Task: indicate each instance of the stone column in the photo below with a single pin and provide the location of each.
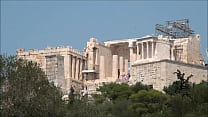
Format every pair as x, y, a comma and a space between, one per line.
137, 51
96, 57
80, 70
152, 49
84, 65
131, 55
73, 67
131, 52
67, 67
102, 68
77, 70
121, 65
70, 66
126, 66
142, 50
115, 67
90, 61
134, 58
147, 49
140, 53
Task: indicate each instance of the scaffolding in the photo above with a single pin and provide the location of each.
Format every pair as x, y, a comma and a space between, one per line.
175, 29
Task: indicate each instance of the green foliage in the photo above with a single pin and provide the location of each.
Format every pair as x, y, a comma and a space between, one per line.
147, 101
181, 87
25, 90
139, 86
188, 100
114, 91
98, 99
71, 96
199, 100
119, 109
200, 92
82, 108
182, 99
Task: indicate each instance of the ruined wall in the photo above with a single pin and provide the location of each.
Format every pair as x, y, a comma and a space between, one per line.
160, 74
55, 70
72, 66
94, 51
109, 63
199, 72
121, 50
180, 49
193, 51
188, 50
162, 50
33, 55
106, 52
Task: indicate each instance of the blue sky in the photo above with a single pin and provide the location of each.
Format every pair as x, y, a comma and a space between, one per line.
36, 24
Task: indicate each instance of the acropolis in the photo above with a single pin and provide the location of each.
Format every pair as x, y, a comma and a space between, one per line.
151, 60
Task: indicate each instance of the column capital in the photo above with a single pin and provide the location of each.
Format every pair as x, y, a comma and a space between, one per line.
130, 44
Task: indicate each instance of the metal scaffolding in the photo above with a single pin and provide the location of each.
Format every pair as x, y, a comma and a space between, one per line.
175, 29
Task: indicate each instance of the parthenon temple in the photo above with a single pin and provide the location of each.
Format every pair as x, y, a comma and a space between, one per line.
151, 59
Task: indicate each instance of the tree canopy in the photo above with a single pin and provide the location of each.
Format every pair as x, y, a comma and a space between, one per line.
25, 90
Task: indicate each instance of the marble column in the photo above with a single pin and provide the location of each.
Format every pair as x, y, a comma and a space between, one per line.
73, 67
140, 53
102, 68
147, 45
115, 67
126, 66
121, 60
152, 49
67, 65
80, 70
70, 66
131, 52
96, 57
131, 55
137, 51
142, 50
77, 69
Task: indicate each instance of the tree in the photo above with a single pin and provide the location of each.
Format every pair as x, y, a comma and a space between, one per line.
181, 87
188, 100
144, 102
139, 86
80, 107
25, 90
119, 109
114, 91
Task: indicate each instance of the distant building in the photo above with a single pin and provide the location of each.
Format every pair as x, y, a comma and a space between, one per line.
150, 60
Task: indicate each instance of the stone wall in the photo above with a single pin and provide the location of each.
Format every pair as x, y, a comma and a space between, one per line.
188, 50
55, 70
160, 73
150, 59
62, 62
106, 53
162, 50
194, 52
121, 50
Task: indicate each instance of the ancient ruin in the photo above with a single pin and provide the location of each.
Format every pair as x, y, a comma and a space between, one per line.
62, 65
151, 60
